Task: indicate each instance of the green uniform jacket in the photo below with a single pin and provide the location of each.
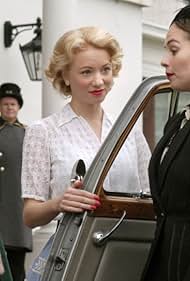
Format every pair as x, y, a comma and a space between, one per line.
12, 229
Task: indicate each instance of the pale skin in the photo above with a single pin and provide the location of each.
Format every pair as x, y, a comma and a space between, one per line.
9, 108
90, 78
177, 58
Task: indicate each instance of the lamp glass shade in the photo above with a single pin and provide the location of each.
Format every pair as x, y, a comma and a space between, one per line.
32, 55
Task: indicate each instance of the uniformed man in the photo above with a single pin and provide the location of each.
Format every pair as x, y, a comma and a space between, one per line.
16, 236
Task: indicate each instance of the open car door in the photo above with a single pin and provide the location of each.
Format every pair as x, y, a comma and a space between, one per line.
112, 242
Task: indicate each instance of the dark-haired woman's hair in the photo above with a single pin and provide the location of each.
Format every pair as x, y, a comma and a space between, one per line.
182, 19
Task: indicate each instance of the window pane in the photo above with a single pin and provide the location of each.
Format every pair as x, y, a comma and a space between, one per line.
129, 171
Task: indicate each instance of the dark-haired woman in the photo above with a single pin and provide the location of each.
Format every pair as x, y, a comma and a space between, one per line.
169, 258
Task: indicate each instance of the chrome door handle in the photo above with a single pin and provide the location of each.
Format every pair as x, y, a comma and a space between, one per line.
100, 237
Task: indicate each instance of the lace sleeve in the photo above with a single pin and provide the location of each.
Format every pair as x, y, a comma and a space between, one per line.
36, 163
143, 154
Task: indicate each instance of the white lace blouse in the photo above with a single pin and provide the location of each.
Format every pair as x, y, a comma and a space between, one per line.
52, 145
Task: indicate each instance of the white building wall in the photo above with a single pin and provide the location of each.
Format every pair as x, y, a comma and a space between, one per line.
161, 12
156, 20
12, 65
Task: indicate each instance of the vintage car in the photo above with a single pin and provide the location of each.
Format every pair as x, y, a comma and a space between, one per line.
112, 242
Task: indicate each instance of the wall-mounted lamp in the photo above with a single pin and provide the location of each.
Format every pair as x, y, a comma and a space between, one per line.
31, 51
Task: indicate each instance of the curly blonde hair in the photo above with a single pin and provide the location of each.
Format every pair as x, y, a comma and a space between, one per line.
75, 41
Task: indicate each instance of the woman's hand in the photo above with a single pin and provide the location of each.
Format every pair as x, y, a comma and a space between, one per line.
75, 199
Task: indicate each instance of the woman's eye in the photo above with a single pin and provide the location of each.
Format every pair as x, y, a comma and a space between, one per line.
86, 72
173, 50
107, 69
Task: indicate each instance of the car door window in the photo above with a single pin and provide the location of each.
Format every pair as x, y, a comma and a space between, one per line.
183, 100
125, 175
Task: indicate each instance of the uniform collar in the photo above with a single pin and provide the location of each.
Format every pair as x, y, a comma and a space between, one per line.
3, 123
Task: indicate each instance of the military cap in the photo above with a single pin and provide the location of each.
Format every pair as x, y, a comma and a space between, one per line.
11, 90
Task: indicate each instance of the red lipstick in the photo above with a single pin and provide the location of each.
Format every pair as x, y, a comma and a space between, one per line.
169, 75
97, 92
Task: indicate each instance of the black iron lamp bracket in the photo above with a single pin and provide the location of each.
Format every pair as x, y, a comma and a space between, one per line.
11, 31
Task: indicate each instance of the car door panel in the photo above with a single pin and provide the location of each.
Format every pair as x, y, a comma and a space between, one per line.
114, 258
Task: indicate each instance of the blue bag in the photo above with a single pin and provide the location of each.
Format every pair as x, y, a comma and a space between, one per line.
36, 270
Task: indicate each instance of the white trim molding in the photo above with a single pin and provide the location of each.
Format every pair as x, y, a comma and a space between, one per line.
143, 3
154, 31
153, 41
